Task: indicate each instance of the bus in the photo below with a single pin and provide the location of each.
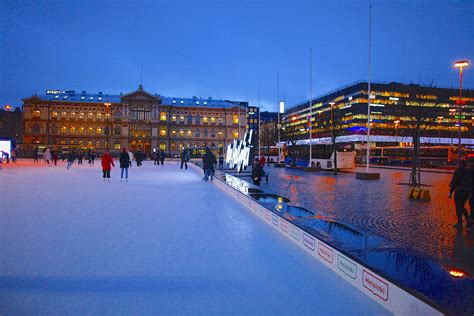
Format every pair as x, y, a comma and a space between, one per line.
322, 156
271, 154
430, 156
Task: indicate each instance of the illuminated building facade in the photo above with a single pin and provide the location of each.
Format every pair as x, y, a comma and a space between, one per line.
138, 121
345, 110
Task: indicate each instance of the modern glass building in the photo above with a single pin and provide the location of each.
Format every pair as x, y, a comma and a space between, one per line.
394, 107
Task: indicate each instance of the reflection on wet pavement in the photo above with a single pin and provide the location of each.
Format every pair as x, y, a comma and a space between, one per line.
382, 207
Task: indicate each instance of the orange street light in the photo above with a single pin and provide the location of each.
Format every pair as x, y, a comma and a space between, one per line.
8, 107
460, 64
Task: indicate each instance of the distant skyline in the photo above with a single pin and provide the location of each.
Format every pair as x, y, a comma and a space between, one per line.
228, 49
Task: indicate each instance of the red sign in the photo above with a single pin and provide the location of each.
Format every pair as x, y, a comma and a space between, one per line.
375, 285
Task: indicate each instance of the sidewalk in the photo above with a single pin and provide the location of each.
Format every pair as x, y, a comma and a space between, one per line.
164, 243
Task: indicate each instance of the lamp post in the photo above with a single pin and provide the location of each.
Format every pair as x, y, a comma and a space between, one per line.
460, 64
333, 136
8, 107
397, 123
107, 130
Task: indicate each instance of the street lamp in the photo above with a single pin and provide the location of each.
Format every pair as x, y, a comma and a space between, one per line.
460, 64
8, 107
107, 130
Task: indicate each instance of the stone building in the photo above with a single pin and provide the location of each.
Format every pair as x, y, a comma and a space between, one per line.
139, 121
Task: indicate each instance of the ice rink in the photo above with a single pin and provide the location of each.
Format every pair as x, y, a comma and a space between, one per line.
164, 243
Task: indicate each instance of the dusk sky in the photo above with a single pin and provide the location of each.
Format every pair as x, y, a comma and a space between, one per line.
228, 49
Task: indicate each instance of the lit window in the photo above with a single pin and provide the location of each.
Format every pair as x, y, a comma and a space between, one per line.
181, 119
182, 101
64, 114
83, 98
174, 101
213, 119
81, 115
205, 102
72, 130
204, 119
54, 114
98, 131
63, 130
97, 144
219, 133
236, 119
90, 115
81, 130
99, 116
90, 130
56, 96
162, 146
163, 116
99, 98
163, 131
117, 146
36, 113
190, 133
92, 98
73, 115
173, 118
173, 132
181, 132
236, 134
71, 142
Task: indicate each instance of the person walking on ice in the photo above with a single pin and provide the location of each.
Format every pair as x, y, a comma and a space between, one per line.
47, 155
124, 164
461, 186
107, 164
184, 158
209, 161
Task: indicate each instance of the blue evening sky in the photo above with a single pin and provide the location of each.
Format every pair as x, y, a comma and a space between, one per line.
228, 49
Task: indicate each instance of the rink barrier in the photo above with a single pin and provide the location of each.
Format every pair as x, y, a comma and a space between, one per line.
392, 297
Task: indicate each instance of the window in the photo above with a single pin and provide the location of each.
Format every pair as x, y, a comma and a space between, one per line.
219, 133
62, 142
162, 146
118, 115
97, 144
54, 129
63, 130
90, 130
236, 134
117, 146
54, 114
181, 146
73, 115
173, 118
98, 131
198, 119
81, 130
190, 119
141, 114
72, 130
235, 119
197, 133
205, 132
80, 143
173, 146
81, 115
117, 130
213, 133
190, 134
213, 120
205, 120
99, 116
71, 142
36, 128
181, 119
106, 130
173, 133
162, 116
64, 115
163, 131
90, 115
181, 133
220, 120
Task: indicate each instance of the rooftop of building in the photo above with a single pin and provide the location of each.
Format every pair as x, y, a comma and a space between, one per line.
72, 96
392, 86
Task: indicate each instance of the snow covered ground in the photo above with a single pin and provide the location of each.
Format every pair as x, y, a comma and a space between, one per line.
164, 243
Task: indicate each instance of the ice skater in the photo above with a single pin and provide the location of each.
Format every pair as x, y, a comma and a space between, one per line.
55, 158
209, 161
79, 158
221, 162
156, 158
35, 154
130, 155
107, 164
162, 157
184, 158
47, 155
70, 159
124, 164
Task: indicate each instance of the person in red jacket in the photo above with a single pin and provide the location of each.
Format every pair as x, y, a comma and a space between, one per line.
107, 164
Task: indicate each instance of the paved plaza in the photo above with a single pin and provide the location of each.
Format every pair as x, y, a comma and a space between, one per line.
382, 207
164, 243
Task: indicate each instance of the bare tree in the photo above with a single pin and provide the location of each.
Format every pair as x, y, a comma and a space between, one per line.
416, 116
268, 137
